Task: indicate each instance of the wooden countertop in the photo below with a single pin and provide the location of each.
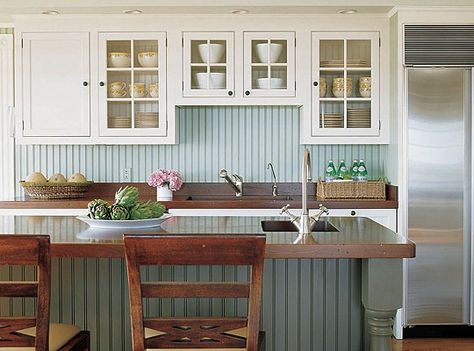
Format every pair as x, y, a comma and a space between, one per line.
355, 237
212, 195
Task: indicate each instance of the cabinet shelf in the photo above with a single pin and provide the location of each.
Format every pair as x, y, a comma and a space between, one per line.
130, 99
129, 69
277, 64
208, 64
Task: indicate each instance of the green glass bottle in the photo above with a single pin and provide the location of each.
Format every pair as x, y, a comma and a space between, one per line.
343, 173
355, 170
363, 175
331, 173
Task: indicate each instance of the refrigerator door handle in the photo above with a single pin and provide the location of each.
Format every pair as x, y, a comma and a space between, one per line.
470, 239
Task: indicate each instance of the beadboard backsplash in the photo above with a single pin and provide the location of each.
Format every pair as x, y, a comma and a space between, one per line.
242, 139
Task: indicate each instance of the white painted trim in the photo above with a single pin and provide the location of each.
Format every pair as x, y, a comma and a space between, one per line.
7, 144
7, 25
174, 28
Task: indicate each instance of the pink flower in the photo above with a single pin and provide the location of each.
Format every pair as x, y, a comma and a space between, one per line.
169, 177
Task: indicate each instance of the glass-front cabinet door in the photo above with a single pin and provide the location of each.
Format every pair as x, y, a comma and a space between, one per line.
269, 64
208, 64
345, 84
132, 84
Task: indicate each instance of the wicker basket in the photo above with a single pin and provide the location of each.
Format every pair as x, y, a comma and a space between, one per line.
48, 191
372, 189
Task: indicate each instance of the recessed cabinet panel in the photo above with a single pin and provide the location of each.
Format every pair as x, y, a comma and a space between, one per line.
132, 87
269, 64
56, 84
345, 84
208, 64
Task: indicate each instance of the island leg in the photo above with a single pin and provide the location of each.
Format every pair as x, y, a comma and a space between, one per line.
382, 295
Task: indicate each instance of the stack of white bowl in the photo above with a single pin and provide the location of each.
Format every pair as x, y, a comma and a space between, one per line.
211, 53
269, 53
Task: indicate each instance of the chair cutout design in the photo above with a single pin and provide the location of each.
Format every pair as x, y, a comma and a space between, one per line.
203, 333
34, 333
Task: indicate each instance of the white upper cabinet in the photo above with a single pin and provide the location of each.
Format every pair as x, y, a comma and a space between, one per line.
208, 64
56, 82
132, 84
269, 64
345, 94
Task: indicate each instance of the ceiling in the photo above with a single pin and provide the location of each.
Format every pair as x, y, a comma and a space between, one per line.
11, 7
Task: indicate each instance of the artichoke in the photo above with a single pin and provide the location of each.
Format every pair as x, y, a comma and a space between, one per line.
157, 209
119, 212
101, 211
92, 206
141, 211
127, 197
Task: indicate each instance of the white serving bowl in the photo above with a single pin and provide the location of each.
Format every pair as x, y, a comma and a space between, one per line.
216, 80
275, 83
148, 59
262, 52
119, 59
211, 53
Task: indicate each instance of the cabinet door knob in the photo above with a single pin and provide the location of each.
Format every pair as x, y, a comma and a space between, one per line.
85, 83
101, 84
230, 93
353, 213
247, 92
315, 84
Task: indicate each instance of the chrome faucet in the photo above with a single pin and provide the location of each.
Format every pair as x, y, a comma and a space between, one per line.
236, 184
305, 223
274, 185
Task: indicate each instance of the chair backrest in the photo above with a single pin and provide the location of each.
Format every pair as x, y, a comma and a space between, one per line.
27, 250
195, 332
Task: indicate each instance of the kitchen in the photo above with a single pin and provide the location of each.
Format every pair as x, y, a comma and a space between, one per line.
200, 129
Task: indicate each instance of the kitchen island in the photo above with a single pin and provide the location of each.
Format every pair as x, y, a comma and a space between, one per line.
371, 254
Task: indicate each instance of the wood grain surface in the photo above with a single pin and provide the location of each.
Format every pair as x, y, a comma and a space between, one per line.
212, 195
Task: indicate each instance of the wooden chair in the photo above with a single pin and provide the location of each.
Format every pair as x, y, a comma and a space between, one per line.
34, 333
195, 333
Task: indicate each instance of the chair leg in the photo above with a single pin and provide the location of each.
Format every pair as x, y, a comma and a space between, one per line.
261, 341
81, 342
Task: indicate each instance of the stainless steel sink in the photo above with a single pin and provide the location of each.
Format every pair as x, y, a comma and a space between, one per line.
242, 198
287, 226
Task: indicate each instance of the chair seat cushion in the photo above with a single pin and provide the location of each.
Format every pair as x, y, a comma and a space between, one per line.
242, 332
59, 335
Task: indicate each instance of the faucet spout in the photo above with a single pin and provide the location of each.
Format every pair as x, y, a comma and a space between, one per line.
305, 178
274, 185
236, 184
305, 223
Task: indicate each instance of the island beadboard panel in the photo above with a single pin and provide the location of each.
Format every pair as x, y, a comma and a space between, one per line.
308, 305
242, 139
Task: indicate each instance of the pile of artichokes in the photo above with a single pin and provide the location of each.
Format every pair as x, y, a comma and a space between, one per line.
126, 206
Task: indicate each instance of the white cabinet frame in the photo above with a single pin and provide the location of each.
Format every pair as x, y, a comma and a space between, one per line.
374, 129
188, 90
290, 38
104, 130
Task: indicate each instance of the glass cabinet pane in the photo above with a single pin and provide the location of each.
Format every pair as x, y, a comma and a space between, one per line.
331, 115
119, 114
358, 114
269, 64
358, 53
146, 114
331, 53
208, 64
133, 83
119, 54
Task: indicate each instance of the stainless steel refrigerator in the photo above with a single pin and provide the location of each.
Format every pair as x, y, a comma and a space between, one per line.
439, 143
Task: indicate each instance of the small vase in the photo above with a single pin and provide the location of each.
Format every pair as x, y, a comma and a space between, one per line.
164, 193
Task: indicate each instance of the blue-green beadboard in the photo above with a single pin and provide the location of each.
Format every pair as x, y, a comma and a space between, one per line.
242, 139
